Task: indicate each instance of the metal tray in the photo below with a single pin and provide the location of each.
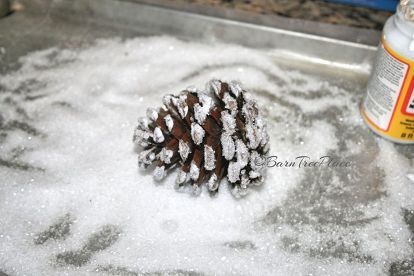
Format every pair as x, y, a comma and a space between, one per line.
49, 23
311, 204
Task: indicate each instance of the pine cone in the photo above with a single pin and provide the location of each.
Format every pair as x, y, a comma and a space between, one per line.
209, 135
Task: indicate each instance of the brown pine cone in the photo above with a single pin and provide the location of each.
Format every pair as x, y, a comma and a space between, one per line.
208, 134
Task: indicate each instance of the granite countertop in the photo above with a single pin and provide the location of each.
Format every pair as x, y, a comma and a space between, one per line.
302, 9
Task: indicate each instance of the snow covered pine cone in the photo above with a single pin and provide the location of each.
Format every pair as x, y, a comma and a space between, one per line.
209, 135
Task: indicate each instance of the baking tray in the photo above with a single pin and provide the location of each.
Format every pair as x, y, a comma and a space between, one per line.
303, 221
128, 18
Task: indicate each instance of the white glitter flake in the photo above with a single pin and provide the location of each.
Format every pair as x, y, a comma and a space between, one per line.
196, 189
253, 136
145, 157
144, 143
239, 192
183, 149
235, 88
181, 105
233, 172
202, 109
214, 86
254, 124
227, 145
206, 100
197, 133
158, 136
141, 135
213, 182
245, 181
167, 99
254, 174
166, 155
143, 123
194, 171
181, 177
169, 122
265, 137
230, 102
152, 114
242, 153
192, 89
229, 122
250, 111
209, 158
199, 113
159, 173
258, 181
257, 162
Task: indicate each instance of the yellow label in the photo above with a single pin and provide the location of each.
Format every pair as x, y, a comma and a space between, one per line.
389, 104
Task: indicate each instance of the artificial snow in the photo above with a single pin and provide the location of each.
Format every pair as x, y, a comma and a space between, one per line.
233, 171
212, 182
229, 122
166, 155
183, 149
194, 171
202, 109
158, 136
152, 114
209, 158
181, 177
181, 105
230, 103
159, 173
169, 122
235, 88
74, 203
242, 153
227, 144
197, 133
214, 86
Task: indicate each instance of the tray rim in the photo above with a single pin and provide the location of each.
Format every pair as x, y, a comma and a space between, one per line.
153, 19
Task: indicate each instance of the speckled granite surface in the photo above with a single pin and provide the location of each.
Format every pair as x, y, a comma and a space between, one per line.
304, 9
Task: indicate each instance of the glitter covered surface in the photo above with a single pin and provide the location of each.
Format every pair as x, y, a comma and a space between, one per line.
73, 202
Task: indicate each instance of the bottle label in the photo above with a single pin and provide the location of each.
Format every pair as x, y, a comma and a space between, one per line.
388, 107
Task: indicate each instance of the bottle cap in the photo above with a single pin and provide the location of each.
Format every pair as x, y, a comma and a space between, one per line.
407, 8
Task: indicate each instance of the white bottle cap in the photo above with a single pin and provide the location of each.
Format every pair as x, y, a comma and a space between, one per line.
407, 8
